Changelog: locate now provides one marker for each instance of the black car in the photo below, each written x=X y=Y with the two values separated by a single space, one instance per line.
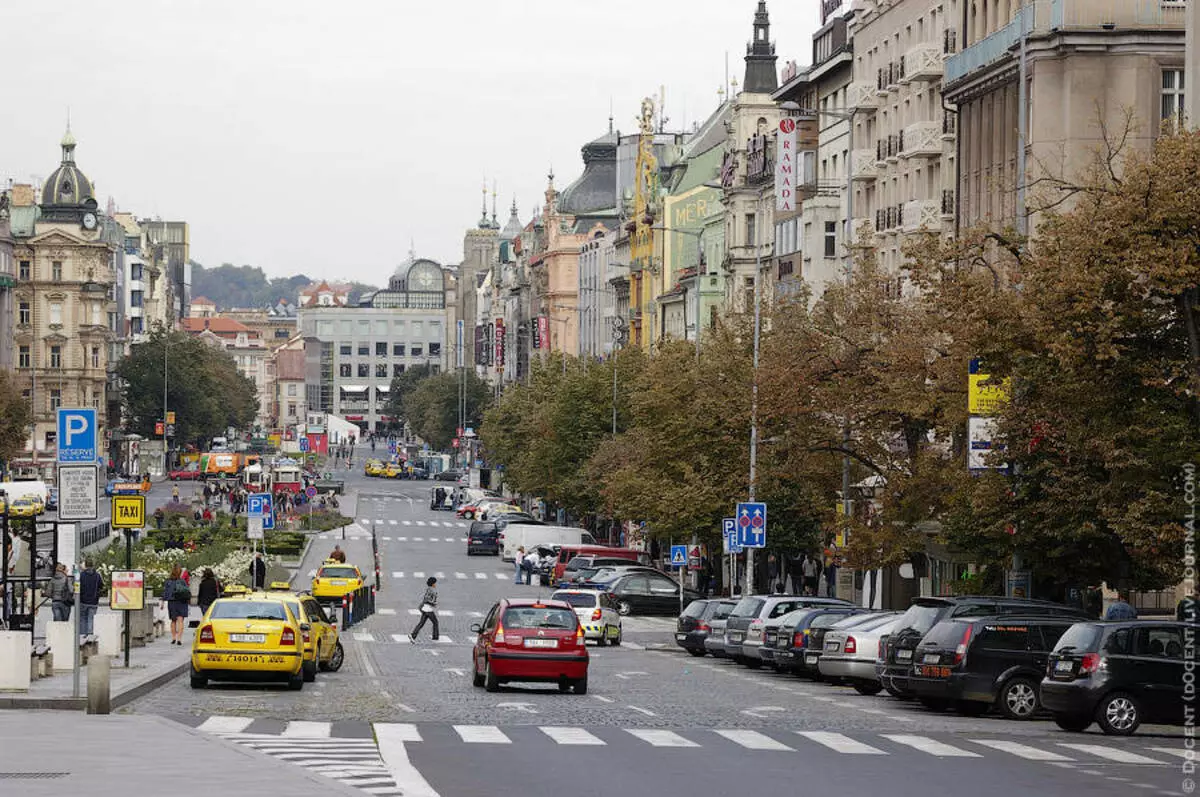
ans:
x=786 y=645
x=451 y=475
x=483 y=538
x=692 y=628
x=649 y=592
x=976 y=663
x=925 y=613
x=1122 y=674
x=810 y=664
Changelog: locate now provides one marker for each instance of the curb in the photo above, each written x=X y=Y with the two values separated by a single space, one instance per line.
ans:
x=116 y=700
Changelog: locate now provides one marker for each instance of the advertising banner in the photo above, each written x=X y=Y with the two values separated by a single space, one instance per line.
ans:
x=786 y=174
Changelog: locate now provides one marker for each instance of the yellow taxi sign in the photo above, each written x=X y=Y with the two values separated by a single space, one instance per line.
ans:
x=128 y=511
x=280 y=585
x=237 y=589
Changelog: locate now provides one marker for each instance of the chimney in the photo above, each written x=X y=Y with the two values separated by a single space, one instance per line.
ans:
x=22 y=195
x=206 y=322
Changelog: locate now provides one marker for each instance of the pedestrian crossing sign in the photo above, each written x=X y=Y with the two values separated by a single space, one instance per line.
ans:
x=678 y=556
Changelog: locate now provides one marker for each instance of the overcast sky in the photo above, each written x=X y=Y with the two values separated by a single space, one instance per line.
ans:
x=321 y=137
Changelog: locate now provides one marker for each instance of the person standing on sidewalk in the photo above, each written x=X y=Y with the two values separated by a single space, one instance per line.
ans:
x=258 y=572
x=518 y=562
x=178 y=598
x=428 y=610
x=62 y=595
x=90 y=585
x=208 y=592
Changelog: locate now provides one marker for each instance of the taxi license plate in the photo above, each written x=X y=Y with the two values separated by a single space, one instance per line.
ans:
x=934 y=672
x=338 y=582
x=243 y=658
x=1064 y=666
x=811 y=658
x=681 y=636
x=260 y=638
x=541 y=643
x=932 y=658
x=903 y=655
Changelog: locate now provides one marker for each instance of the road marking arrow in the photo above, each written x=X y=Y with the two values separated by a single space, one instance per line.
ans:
x=457 y=671
x=625 y=676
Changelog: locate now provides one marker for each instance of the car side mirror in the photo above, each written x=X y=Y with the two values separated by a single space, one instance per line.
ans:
x=305 y=627
x=476 y=628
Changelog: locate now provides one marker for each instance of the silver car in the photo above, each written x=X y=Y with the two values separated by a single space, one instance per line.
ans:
x=850 y=653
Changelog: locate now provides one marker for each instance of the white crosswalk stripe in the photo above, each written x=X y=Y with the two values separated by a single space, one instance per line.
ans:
x=505 y=575
x=399 y=731
x=444 y=640
x=1179 y=752
x=841 y=743
x=439 y=575
x=363 y=636
x=420 y=522
x=391 y=522
x=661 y=738
x=462 y=539
x=387 y=539
x=445 y=613
x=302 y=729
x=931 y=746
x=1110 y=753
x=406 y=522
x=753 y=740
x=402 y=539
x=460 y=575
x=418 y=574
x=481 y=734
x=402 y=639
x=449 y=539
x=1021 y=750
x=418 y=539
x=461 y=525
x=475 y=614
x=220 y=724
x=414 y=612
x=481 y=575
x=385 y=611
x=398 y=574
x=573 y=736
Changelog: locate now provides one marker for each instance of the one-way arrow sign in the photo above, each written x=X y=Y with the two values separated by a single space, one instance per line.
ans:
x=752 y=525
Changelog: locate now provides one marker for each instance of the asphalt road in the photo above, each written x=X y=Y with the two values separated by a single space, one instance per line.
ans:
x=403 y=719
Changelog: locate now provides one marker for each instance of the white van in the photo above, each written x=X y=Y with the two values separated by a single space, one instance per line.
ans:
x=520 y=535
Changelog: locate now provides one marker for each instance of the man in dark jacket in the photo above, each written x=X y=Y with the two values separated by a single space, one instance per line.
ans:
x=90 y=585
x=258 y=572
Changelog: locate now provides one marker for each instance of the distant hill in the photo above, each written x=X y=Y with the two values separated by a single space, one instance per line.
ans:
x=232 y=286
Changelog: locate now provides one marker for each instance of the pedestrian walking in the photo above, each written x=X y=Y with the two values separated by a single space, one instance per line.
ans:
x=207 y=494
x=62 y=594
x=831 y=571
x=428 y=610
x=258 y=572
x=1121 y=608
x=337 y=554
x=159 y=516
x=175 y=493
x=208 y=591
x=178 y=598
x=529 y=564
x=91 y=584
x=811 y=575
x=517 y=561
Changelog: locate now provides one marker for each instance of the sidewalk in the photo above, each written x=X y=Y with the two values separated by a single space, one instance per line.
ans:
x=115 y=756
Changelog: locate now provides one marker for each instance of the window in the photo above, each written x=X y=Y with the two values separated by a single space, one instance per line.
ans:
x=381 y=350
x=1160 y=642
x=23 y=358
x=135 y=272
x=418 y=329
x=381 y=328
x=56 y=313
x=346 y=369
x=1004 y=637
x=364 y=350
x=324 y=329
x=291 y=390
x=831 y=239
x=23 y=270
x=364 y=370
x=381 y=370
x=345 y=349
x=435 y=350
x=98 y=314
x=399 y=327
x=1172 y=95
x=397 y=349
x=56 y=270
x=56 y=357
x=416 y=350
x=751 y=237
x=364 y=328
x=397 y=369
x=96 y=354
x=55 y=399
x=291 y=408
x=24 y=313
x=136 y=299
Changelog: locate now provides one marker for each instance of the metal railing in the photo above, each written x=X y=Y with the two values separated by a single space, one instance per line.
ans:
x=93 y=534
x=989 y=49
x=357 y=606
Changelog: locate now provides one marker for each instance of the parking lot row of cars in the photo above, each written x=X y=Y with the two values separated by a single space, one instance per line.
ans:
x=974 y=654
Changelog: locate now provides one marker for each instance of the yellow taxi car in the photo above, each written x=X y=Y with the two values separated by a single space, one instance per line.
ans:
x=335 y=580
x=373 y=467
x=393 y=470
x=322 y=647
x=249 y=638
x=25 y=506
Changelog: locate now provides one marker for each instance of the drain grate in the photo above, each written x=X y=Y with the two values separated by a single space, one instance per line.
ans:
x=32 y=775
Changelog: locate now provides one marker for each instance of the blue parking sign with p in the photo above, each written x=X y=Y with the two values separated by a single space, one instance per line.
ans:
x=77 y=435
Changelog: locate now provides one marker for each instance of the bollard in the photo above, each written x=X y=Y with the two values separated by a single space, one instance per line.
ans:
x=372 y=608
x=346 y=622
x=99 y=699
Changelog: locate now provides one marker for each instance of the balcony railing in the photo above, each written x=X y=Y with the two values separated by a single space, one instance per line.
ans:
x=923 y=62
x=949 y=126
x=989 y=49
x=922 y=140
x=862 y=96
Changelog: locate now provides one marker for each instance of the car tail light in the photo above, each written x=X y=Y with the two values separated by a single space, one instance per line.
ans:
x=207 y=636
x=595 y=615
x=306 y=637
x=881 y=653
x=799 y=639
x=960 y=652
x=851 y=646
x=579 y=636
x=499 y=637
x=288 y=637
x=703 y=627
x=1091 y=663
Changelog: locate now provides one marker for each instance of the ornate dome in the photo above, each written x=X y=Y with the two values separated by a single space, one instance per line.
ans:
x=513 y=228
x=418 y=274
x=596 y=189
x=67 y=186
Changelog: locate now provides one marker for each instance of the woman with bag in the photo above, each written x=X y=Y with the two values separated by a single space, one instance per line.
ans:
x=428 y=610
x=178 y=598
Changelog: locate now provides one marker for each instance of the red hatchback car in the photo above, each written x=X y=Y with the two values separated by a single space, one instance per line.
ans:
x=529 y=640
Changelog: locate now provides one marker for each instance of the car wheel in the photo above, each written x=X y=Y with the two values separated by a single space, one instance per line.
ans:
x=1118 y=714
x=934 y=703
x=337 y=659
x=700 y=653
x=868 y=687
x=198 y=681
x=581 y=686
x=1019 y=699
x=624 y=608
x=615 y=641
x=308 y=671
x=296 y=682
x=490 y=681
x=1072 y=723
x=476 y=675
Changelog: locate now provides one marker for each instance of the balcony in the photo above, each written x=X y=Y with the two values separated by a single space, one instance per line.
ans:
x=862 y=96
x=1115 y=14
x=895 y=144
x=922 y=214
x=922 y=140
x=862 y=228
x=990 y=49
x=881 y=153
x=883 y=76
x=864 y=165
x=923 y=62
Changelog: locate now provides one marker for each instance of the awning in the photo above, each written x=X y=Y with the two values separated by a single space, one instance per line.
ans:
x=354 y=388
x=383 y=388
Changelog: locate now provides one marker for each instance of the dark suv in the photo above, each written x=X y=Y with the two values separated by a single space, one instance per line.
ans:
x=483 y=538
x=924 y=613
x=1122 y=674
x=973 y=664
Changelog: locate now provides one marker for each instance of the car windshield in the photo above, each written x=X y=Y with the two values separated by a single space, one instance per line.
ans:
x=579 y=562
x=747 y=607
x=722 y=610
x=873 y=622
x=338 y=572
x=1080 y=638
x=919 y=618
x=580 y=600
x=533 y=617
x=247 y=610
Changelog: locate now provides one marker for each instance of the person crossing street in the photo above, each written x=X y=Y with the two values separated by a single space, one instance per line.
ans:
x=428 y=610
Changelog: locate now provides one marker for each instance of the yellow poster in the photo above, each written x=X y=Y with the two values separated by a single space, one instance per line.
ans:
x=985 y=399
x=128 y=590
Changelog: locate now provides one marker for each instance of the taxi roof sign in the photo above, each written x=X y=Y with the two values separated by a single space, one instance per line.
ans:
x=128 y=511
x=237 y=589
x=280 y=585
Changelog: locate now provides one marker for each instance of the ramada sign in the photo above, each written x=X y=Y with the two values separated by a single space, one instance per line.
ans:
x=785 y=165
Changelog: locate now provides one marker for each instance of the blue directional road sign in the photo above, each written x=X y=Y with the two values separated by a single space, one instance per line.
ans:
x=730 y=535
x=752 y=525
x=303 y=445
x=392 y=447
x=678 y=556
x=77 y=435
x=269 y=521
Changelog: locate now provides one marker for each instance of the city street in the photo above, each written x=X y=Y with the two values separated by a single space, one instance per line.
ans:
x=655 y=720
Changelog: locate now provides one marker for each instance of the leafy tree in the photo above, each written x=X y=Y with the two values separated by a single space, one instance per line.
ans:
x=403 y=385
x=232 y=286
x=431 y=406
x=205 y=390
x=14 y=417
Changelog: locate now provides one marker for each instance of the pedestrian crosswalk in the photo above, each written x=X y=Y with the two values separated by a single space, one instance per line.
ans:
x=389 y=523
x=380 y=638
x=441 y=576
x=297 y=739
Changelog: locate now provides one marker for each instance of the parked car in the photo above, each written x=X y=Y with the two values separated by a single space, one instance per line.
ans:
x=190 y=472
x=695 y=624
x=973 y=664
x=801 y=636
x=603 y=576
x=530 y=641
x=850 y=654
x=744 y=628
x=649 y=593
x=714 y=643
x=578 y=566
x=597 y=612
x=925 y=613
x=449 y=475
x=483 y=538
x=248 y=639
x=51 y=499
x=1120 y=675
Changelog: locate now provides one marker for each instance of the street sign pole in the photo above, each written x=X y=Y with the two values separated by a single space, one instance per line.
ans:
x=75 y=648
x=128 y=566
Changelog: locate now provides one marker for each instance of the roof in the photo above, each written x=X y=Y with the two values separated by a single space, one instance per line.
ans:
x=224 y=327
x=67 y=186
x=596 y=188
x=203 y=300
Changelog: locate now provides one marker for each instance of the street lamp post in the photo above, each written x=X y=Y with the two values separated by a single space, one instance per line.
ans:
x=164 y=415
